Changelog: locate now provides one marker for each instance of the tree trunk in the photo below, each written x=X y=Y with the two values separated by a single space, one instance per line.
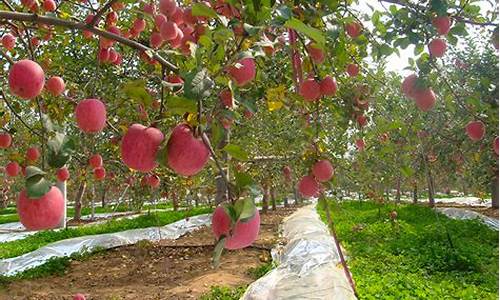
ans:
x=61 y=185
x=265 y=199
x=285 y=201
x=430 y=187
x=78 y=201
x=103 y=197
x=415 y=193
x=273 y=198
x=296 y=194
x=494 y=191
x=221 y=192
x=175 y=204
x=398 y=190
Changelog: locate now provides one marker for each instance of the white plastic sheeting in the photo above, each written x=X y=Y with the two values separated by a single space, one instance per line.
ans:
x=12 y=266
x=308 y=265
x=464 y=214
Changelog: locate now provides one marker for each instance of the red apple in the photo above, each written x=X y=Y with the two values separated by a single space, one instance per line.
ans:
x=8 y=41
x=62 y=174
x=32 y=154
x=475 y=130
x=352 y=70
x=91 y=115
x=12 y=169
x=316 y=53
x=186 y=154
x=437 y=47
x=409 y=85
x=243 y=72
x=26 y=79
x=55 y=85
x=5 y=140
x=442 y=24
x=239 y=235
x=308 y=187
x=99 y=173
x=226 y=98
x=140 y=146
x=310 y=90
x=425 y=99
x=95 y=161
x=41 y=213
x=495 y=145
x=328 y=86
x=322 y=170
x=353 y=29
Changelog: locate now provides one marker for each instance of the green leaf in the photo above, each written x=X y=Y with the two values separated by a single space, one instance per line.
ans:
x=136 y=90
x=236 y=152
x=198 y=84
x=243 y=180
x=219 y=247
x=245 y=209
x=201 y=10
x=180 y=105
x=60 y=148
x=311 y=32
x=36 y=185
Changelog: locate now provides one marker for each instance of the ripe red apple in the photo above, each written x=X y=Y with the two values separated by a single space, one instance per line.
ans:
x=140 y=146
x=353 y=29
x=316 y=53
x=159 y=20
x=243 y=72
x=328 y=86
x=12 y=169
x=425 y=99
x=41 y=213
x=362 y=120
x=310 y=90
x=79 y=297
x=360 y=144
x=437 y=47
x=442 y=24
x=153 y=181
x=167 y=7
x=226 y=98
x=55 y=85
x=352 y=70
x=241 y=235
x=49 y=5
x=139 y=25
x=5 y=140
x=26 y=79
x=186 y=154
x=32 y=154
x=168 y=30
x=149 y=8
x=322 y=170
x=475 y=130
x=248 y=114
x=8 y=41
x=308 y=187
x=91 y=115
x=155 y=40
x=495 y=145
x=62 y=174
x=111 y=18
x=99 y=173
x=95 y=161
x=409 y=85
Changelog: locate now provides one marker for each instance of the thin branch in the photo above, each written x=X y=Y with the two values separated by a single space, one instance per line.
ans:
x=18 y=116
x=205 y=139
x=7 y=57
x=100 y=13
x=25 y=17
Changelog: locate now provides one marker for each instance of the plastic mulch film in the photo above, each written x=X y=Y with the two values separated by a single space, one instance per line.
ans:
x=308 y=265
x=464 y=214
x=12 y=266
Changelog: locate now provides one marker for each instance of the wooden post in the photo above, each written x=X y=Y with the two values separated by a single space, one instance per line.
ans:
x=61 y=185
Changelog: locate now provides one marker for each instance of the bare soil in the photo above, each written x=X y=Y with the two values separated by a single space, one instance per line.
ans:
x=179 y=269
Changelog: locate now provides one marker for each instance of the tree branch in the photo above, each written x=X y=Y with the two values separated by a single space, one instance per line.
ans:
x=25 y=17
x=101 y=12
x=18 y=116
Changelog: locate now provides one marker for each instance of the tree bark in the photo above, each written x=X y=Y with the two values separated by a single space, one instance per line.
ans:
x=430 y=187
x=273 y=198
x=103 y=196
x=175 y=204
x=494 y=191
x=78 y=201
x=415 y=193
x=398 y=190
x=265 y=198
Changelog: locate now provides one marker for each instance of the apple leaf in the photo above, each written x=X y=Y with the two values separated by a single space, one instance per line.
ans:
x=219 y=247
x=136 y=90
x=60 y=148
x=36 y=185
x=313 y=33
x=236 y=152
x=201 y=10
x=180 y=105
x=245 y=209
x=243 y=180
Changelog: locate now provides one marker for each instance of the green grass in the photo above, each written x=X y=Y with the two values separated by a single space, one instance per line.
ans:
x=235 y=293
x=33 y=242
x=85 y=211
x=412 y=259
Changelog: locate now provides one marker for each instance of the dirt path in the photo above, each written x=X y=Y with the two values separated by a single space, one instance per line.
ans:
x=179 y=269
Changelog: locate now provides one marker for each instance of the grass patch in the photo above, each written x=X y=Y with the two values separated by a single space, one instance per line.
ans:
x=412 y=259
x=235 y=293
x=42 y=238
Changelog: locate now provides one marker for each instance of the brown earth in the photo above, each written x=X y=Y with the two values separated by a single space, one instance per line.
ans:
x=179 y=269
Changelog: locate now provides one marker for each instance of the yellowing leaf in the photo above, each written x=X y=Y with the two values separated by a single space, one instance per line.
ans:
x=192 y=119
x=272 y=105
